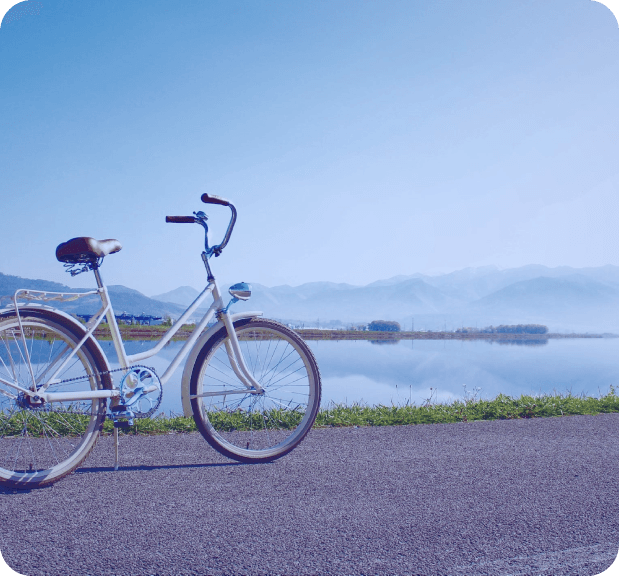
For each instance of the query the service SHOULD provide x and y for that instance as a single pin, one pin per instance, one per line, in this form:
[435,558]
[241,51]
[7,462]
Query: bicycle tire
[256,427]
[41,444]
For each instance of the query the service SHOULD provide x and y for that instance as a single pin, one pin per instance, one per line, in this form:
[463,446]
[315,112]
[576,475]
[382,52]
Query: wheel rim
[259,425]
[44,442]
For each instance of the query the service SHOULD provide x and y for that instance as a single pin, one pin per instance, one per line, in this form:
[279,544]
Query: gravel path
[507,497]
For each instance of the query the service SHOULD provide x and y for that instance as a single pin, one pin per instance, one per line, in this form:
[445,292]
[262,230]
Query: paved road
[508,497]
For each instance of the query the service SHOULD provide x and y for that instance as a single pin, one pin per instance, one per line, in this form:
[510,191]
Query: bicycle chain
[103,373]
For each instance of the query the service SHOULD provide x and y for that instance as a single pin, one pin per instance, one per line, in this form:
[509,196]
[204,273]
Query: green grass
[338,415]
[39,424]
[500,408]
[223,421]
[467,410]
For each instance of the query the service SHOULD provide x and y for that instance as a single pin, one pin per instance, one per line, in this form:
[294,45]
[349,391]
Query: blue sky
[358,139]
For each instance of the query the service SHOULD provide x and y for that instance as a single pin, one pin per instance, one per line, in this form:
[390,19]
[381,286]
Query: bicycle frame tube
[111,320]
[211,288]
[236,359]
[92,325]
[233,349]
[60,396]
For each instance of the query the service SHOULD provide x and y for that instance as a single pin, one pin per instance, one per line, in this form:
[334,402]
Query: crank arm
[139,393]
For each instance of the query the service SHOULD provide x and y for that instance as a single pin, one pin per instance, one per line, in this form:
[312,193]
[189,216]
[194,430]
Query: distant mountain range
[563,298]
[123,299]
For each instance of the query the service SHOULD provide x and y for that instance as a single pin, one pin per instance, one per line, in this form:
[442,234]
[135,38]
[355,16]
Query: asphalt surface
[508,497]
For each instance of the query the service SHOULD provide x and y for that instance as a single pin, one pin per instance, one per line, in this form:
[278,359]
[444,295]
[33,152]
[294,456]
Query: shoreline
[156,332]
[471,409]
[312,334]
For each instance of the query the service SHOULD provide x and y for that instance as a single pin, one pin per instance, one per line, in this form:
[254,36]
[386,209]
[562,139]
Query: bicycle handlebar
[180,219]
[200,218]
[217,249]
[214,200]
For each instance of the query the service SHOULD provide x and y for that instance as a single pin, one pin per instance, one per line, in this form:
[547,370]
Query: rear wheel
[42,442]
[256,427]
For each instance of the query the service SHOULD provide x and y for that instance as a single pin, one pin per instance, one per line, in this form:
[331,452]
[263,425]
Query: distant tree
[510,329]
[384,326]
[522,329]
[467,330]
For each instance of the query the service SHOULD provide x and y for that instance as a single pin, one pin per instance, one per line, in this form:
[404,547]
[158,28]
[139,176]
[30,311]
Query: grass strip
[337,415]
[500,408]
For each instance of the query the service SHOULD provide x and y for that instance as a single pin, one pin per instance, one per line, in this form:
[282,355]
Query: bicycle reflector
[240,291]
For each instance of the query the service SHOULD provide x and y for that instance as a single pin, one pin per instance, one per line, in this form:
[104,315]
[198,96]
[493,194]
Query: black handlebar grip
[214,200]
[180,219]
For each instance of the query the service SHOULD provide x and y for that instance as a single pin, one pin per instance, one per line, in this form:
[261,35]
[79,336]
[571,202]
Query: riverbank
[466,410]
[137,332]
[312,334]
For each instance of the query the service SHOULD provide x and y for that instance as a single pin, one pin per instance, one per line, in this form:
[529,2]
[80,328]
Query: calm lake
[415,370]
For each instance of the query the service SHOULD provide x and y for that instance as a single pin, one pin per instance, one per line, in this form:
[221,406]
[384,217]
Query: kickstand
[115,449]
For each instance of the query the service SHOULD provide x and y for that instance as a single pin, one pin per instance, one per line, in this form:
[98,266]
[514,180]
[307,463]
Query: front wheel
[252,427]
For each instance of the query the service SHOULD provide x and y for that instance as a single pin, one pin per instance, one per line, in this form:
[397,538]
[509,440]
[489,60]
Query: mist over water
[443,370]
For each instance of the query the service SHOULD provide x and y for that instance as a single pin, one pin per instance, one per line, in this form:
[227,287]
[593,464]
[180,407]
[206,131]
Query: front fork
[235,355]
[232,344]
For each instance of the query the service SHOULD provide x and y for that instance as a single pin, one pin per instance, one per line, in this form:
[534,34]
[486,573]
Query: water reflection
[359,371]
[515,342]
[385,373]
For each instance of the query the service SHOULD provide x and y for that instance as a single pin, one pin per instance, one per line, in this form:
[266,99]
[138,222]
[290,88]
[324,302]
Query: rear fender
[52,314]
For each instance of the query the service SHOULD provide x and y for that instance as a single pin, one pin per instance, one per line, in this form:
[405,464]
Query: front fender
[191,359]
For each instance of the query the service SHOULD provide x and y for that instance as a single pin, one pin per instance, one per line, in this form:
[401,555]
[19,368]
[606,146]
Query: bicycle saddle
[85,249]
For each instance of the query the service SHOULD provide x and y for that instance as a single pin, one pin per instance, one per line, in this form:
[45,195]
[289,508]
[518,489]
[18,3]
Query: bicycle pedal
[122,417]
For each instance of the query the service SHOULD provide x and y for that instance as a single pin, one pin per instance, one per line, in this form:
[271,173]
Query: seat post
[98,277]
[121,356]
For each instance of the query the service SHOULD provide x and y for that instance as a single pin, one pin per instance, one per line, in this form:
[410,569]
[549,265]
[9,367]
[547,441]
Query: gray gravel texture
[519,497]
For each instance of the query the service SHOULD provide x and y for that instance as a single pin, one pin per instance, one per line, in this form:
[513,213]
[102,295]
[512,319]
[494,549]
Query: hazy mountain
[123,299]
[564,298]
[569,303]
[182,296]
[347,303]
[9,284]
[545,295]
[476,283]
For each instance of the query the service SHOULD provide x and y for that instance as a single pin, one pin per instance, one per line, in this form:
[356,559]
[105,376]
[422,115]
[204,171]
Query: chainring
[132,395]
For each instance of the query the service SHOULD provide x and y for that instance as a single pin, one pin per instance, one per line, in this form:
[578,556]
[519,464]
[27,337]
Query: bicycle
[252,385]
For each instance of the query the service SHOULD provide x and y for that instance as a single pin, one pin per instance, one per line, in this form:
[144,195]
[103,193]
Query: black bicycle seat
[86,249]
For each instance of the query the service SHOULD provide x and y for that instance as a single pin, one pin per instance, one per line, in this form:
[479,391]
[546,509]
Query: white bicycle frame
[45,380]
[38,390]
